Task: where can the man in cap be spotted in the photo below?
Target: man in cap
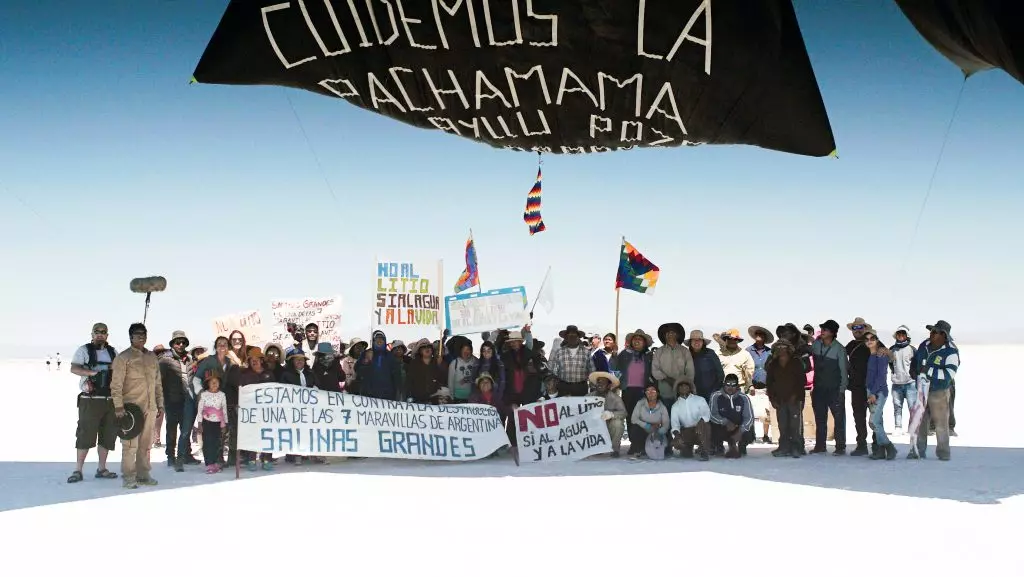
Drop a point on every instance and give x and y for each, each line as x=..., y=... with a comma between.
x=136, y=379
x=176, y=371
x=830, y=381
x=732, y=418
x=572, y=364
x=937, y=360
x=96, y=422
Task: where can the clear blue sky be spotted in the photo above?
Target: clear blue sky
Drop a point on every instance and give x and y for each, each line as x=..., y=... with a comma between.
x=125, y=170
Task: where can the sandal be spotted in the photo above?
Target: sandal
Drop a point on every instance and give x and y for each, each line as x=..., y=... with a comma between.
x=75, y=477
x=105, y=474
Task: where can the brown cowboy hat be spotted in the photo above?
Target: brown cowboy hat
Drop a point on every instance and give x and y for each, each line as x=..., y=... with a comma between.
x=603, y=375
x=639, y=333
x=665, y=328
x=858, y=321
x=768, y=336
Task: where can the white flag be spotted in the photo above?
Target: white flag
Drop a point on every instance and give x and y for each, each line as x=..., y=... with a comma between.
x=546, y=297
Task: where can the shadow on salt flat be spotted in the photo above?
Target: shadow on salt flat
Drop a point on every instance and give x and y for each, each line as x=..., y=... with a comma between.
x=977, y=475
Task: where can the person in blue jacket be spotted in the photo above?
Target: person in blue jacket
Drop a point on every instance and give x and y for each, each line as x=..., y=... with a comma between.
x=937, y=360
x=377, y=371
x=877, y=386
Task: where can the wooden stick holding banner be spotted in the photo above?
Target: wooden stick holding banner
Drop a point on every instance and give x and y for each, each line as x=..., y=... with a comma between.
x=373, y=306
x=618, y=294
x=541, y=291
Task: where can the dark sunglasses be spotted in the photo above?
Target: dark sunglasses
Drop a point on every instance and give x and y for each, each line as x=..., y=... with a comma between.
x=99, y=332
x=858, y=327
x=237, y=340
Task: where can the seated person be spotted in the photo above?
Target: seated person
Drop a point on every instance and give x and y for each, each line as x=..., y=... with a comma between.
x=691, y=423
x=732, y=418
x=605, y=385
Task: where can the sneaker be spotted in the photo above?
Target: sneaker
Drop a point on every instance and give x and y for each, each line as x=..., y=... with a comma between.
x=912, y=455
x=211, y=469
x=148, y=482
x=268, y=466
x=179, y=466
x=129, y=484
x=860, y=451
x=251, y=465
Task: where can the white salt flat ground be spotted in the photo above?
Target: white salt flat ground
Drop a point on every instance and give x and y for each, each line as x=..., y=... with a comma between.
x=813, y=516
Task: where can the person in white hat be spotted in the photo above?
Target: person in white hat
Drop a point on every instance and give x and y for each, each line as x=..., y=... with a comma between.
x=902, y=366
x=614, y=413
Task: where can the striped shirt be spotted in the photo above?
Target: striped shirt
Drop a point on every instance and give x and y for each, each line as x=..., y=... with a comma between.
x=939, y=366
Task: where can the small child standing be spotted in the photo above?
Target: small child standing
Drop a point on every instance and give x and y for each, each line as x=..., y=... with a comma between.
x=211, y=419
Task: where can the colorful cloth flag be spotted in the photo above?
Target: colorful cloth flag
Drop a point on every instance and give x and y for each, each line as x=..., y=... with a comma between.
x=636, y=273
x=471, y=276
x=532, y=214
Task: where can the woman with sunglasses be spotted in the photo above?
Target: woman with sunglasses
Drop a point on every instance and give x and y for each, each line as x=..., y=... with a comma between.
x=877, y=384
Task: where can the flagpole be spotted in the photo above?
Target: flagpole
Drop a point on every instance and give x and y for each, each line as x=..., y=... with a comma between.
x=618, y=293
x=544, y=282
x=479, y=287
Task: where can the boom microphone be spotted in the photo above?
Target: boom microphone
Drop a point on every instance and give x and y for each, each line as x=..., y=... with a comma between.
x=148, y=285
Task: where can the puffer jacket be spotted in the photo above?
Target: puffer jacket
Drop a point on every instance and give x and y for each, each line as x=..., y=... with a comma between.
x=708, y=372
x=902, y=363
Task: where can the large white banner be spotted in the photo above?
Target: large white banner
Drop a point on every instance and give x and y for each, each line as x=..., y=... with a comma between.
x=562, y=429
x=325, y=312
x=287, y=419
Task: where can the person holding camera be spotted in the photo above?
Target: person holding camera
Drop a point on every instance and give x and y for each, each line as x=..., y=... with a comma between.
x=96, y=421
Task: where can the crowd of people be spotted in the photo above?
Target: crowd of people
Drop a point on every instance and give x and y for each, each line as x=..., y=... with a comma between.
x=682, y=397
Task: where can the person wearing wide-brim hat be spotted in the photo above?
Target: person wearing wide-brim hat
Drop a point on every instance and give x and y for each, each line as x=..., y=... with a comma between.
x=857, y=325
x=766, y=335
x=571, y=363
x=176, y=367
x=938, y=361
x=633, y=364
x=672, y=363
x=708, y=373
x=485, y=393
x=614, y=414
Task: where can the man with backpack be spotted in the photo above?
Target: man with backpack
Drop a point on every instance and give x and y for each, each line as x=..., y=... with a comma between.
x=96, y=421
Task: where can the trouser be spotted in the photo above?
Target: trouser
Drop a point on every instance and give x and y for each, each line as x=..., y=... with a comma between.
x=823, y=403
x=211, y=442
x=899, y=395
x=637, y=436
x=737, y=437
x=615, y=429
x=567, y=389
x=172, y=421
x=158, y=428
x=135, y=452
x=952, y=400
x=668, y=406
x=877, y=419
x=937, y=410
x=859, y=401
x=188, y=419
x=807, y=426
x=699, y=434
x=510, y=424
x=788, y=423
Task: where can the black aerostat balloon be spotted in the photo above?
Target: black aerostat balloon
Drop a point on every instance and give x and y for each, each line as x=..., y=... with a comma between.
x=976, y=35
x=554, y=76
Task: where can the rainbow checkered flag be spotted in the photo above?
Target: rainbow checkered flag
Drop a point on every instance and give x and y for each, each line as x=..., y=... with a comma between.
x=532, y=214
x=470, y=277
x=636, y=273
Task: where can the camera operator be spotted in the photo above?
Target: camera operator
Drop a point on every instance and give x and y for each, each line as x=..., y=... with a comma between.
x=96, y=419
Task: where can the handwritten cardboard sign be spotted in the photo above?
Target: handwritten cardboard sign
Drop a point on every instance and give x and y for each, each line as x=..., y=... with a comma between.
x=250, y=323
x=486, y=311
x=325, y=312
x=562, y=429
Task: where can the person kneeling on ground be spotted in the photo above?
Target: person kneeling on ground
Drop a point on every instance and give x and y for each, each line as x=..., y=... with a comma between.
x=691, y=423
x=785, y=386
x=653, y=420
x=731, y=418
x=614, y=414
